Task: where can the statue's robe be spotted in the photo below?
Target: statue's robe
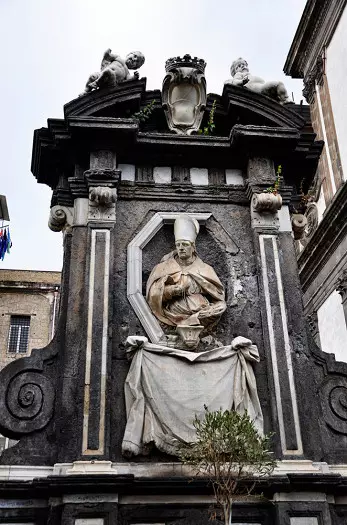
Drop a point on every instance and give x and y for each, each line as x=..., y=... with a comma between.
x=203, y=290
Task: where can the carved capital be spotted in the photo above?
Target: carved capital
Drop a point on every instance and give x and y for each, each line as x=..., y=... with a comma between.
x=316, y=76
x=60, y=218
x=299, y=223
x=266, y=202
x=312, y=321
x=341, y=285
x=311, y=215
x=102, y=204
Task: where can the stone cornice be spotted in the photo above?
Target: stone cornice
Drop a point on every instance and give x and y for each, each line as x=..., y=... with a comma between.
x=329, y=234
x=315, y=29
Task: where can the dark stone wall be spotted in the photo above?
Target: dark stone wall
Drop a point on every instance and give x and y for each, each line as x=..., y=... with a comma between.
x=242, y=316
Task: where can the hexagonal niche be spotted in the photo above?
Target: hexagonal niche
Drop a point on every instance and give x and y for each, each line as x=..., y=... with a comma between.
x=134, y=270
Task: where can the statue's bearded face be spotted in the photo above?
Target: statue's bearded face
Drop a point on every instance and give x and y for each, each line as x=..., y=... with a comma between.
x=241, y=66
x=185, y=249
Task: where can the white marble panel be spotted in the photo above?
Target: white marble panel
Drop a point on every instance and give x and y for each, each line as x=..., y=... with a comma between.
x=199, y=176
x=89, y=521
x=128, y=171
x=284, y=218
x=233, y=177
x=162, y=174
x=303, y=521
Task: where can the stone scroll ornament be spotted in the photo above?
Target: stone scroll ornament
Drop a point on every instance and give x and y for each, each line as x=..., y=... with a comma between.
x=184, y=93
x=333, y=394
x=26, y=397
x=183, y=291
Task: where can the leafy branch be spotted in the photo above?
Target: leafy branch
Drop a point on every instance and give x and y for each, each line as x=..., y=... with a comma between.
x=144, y=114
x=209, y=129
x=230, y=451
x=276, y=186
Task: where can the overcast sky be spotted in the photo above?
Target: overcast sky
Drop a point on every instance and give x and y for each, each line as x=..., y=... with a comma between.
x=49, y=47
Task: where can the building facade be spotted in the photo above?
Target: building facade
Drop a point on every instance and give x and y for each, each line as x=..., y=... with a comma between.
x=180, y=290
x=29, y=302
x=318, y=55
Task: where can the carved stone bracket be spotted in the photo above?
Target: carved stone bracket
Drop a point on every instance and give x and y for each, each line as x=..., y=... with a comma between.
x=299, y=223
x=264, y=208
x=60, y=218
x=341, y=285
x=102, y=204
x=102, y=184
x=311, y=215
x=312, y=321
x=316, y=75
x=266, y=202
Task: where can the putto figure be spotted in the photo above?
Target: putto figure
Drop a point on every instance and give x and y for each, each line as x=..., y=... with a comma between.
x=241, y=77
x=182, y=290
x=114, y=70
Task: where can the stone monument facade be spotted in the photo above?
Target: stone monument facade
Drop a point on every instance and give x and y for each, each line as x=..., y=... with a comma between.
x=179, y=289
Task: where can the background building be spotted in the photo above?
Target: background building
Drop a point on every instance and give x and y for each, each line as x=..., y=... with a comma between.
x=318, y=55
x=29, y=303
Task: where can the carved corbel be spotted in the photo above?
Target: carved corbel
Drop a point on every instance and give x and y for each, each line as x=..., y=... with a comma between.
x=266, y=202
x=102, y=203
x=102, y=184
x=60, y=219
x=341, y=286
x=299, y=223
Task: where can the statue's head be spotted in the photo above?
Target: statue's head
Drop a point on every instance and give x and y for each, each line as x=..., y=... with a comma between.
x=186, y=229
x=185, y=249
x=282, y=93
x=134, y=60
x=239, y=65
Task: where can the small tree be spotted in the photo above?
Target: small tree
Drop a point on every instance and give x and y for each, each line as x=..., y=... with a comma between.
x=228, y=449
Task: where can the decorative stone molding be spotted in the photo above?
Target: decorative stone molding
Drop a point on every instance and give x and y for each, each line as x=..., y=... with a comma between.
x=299, y=223
x=341, y=285
x=184, y=93
x=315, y=77
x=134, y=271
x=26, y=395
x=333, y=395
x=266, y=202
x=102, y=185
x=312, y=321
x=60, y=218
x=102, y=204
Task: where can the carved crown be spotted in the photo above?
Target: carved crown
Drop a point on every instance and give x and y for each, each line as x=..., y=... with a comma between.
x=186, y=61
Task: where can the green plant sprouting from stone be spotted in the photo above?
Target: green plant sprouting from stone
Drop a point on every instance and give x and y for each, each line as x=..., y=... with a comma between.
x=144, y=114
x=230, y=452
x=276, y=186
x=209, y=129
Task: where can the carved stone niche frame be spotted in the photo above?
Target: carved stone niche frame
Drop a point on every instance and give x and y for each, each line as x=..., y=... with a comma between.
x=134, y=270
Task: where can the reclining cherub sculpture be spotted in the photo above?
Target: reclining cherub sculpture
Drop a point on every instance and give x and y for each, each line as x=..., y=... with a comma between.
x=241, y=77
x=114, y=70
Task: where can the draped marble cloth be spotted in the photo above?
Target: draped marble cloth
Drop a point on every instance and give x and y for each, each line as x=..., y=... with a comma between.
x=166, y=387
